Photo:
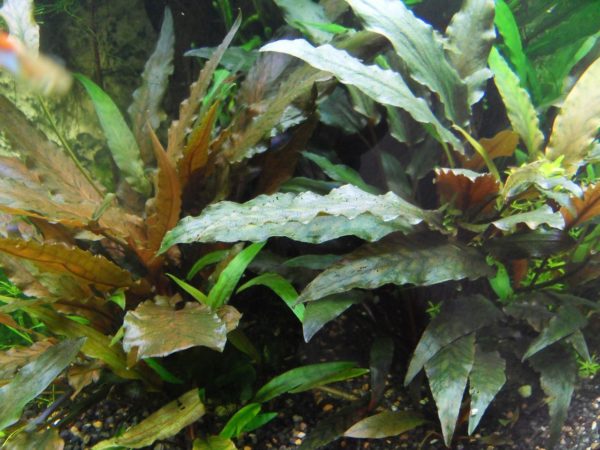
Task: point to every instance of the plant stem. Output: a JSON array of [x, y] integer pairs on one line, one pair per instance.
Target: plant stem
[[338, 393]]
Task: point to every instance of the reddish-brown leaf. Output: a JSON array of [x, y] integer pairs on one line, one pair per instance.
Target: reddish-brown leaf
[[520, 267], [584, 209], [82, 375], [502, 144], [466, 190]]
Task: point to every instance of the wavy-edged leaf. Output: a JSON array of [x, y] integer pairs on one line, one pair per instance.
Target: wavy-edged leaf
[[582, 209], [385, 424], [319, 313], [145, 109], [421, 261], [19, 17], [458, 318], [565, 322], [470, 38], [542, 177], [520, 110], [421, 48], [544, 215], [485, 381], [95, 270], [384, 86], [213, 443], [447, 373], [14, 358], [306, 217], [164, 423], [558, 373], [467, 190], [159, 330], [189, 107], [33, 378], [282, 287], [503, 143], [305, 15], [576, 126], [120, 139], [308, 377]]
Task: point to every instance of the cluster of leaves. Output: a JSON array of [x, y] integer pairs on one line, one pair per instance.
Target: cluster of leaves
[[513, 242]]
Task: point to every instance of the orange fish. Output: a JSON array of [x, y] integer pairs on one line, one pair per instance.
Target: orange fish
[[40, 72]]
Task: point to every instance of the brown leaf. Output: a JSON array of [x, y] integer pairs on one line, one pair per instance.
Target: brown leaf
[[467, 190], [502, 144], [230, 316], [15, 358], [80, 376], [520, 267], [584, 209]]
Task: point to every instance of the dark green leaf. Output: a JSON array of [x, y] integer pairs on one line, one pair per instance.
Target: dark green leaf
[[319, 313], [340, 172], [382, 354], [314, 262], [259, 421], [196, 293], [206, 260], [447, 373], [235, 425], [235, 59], [282, 287], [385, 424], [485, 381], [162, 371]]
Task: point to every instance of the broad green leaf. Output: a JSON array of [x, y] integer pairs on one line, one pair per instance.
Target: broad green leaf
[[282, 287], [470, 38], [206, 260], [420, 47], [301, 14], [520, 110], [447, 373], [509, 30], [558, 373], [306, 217], [319, 313], [230, 276], [194, 292], [576, 126], [235, 425], [565, 322], [34, 378], [19, 17], [121, 141], [145, 109], [384, 86], [164, 423], [158, 330], [458, 318], [385, 424], [399, 260], [213, 443], [340, 172], [485, 381], [314, 262], [544, 215], [308, 377]]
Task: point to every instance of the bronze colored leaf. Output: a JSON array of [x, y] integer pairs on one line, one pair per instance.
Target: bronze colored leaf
[[48, 439], [467, 190], [95, 270], [583, 209], [80, 376], [502, 144], [15, 358]]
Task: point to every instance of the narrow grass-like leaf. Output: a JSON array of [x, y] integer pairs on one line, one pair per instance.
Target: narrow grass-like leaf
[[340, 172], [235, 425], [485, 381], [420, 47], [385, 424], [421, 261], [206, 260], [282, 287], [164, 423], [520, 110], [509, 30], [306, 217], [576, 126], [33, 378], [230, 276], [121, 141], [307, 377], [194, 292], [384, 86]]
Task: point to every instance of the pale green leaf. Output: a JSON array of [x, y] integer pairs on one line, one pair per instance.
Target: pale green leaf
[[206, 260], [447, 373], [457, 318], [213, 443], [385, 424], [302, 14], [565, 322], [485, 381], [121, 141], [384, 86], [520, 110], [282, 287], [577, 124], [166, 422], [319, 313], [34, 378], [236, 424], [470, 38], [399, 260], [544, 215], [306, 217], [420, 47], [18, 15]]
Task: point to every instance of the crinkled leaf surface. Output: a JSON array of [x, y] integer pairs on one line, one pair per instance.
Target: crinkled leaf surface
[[385, 424], [164, 423], [485, 381], [19, 17], [470, 38], [520, 110], [565, 322], [457, 318], [213, 443], [158, 330], [583, 209], [467, 190], [306, 217], [421, 261], [534, 174], [420, 47], [121, 141], [576, 126], [447, 373], [544, 215], [33, 378], [384, 86]]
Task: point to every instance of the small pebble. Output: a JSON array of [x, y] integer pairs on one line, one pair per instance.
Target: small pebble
[[328, 407]]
